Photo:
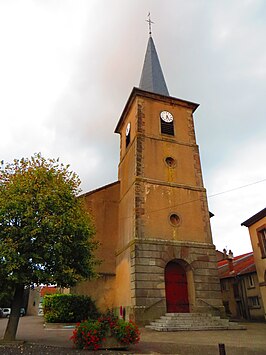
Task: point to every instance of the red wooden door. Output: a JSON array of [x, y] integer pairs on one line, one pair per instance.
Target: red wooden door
[[176, 288]]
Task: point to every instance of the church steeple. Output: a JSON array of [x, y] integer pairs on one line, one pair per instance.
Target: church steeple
[[152, 78]]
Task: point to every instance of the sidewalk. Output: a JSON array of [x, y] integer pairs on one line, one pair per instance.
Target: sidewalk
[[237, 342]]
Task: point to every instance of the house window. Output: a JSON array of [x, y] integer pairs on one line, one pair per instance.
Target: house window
[[253, 302], [262, 242], [251, 283]]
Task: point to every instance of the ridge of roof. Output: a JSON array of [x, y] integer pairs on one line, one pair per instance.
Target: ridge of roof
[[152, 78]]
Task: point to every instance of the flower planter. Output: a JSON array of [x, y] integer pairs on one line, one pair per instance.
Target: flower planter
[[108, 332], [110, 342]]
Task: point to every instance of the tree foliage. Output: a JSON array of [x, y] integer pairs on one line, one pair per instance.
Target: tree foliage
[[68, 308], [46, 236]]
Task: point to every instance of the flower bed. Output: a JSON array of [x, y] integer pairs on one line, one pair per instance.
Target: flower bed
[[107, 332]]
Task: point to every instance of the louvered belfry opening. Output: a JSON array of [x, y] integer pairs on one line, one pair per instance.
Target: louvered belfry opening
[[167, 128], [128, 139]]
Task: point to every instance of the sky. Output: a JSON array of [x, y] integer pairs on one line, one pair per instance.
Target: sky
[[68, 67]]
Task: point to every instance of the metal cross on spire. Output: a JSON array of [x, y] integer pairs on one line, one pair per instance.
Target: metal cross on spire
[[150, 22]]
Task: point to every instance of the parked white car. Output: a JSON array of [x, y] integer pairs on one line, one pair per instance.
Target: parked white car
[[6, 312]]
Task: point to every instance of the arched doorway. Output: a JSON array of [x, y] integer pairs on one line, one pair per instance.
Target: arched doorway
[[176, 288]]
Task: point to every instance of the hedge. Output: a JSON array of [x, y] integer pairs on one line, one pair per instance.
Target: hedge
[[67, 308]]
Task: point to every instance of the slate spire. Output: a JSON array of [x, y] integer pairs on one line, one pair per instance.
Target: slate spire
[[152, 78]]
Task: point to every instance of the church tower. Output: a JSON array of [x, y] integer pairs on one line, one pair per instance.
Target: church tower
[[153, 224], [165, 258]]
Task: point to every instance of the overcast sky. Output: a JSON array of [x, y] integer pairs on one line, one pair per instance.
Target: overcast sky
[[68, 67]]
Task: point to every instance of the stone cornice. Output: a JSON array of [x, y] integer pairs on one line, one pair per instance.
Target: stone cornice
[[155, 241]]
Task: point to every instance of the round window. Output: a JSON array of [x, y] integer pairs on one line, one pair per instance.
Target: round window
[[171, 162], [174, 219]]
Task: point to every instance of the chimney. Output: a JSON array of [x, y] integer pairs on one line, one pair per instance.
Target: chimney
[[224, 254], [230, 259]]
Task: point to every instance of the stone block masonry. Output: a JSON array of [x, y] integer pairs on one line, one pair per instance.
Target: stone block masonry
[[149, 258]]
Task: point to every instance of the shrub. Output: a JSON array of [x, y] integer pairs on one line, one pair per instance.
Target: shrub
[[66, 308], [91, 334]]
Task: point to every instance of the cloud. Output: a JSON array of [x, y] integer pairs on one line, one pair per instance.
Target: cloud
[[245, 167], [67, 69]]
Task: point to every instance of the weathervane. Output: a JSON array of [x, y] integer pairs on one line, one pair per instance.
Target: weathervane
[[150, 22]]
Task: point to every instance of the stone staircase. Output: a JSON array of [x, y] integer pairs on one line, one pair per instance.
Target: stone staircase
[[173, 322]]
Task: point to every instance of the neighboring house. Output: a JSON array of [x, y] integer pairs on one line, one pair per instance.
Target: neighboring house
[[257, 231], [36, 298], [240, 287]]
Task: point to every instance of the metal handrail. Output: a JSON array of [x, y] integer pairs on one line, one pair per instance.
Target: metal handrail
[[200, 299], [211, 305], [147, 308]]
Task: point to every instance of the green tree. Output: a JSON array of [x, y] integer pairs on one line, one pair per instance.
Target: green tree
[[46, 236]]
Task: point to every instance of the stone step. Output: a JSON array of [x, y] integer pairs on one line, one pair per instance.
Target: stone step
[[197, 319], [175, 329], [188, 323], [188, 329], [187, 315], [166, 319], [191, 321], [214, 322], [188, 326]]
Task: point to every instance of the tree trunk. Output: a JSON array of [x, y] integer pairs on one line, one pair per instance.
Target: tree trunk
[[12, 325]]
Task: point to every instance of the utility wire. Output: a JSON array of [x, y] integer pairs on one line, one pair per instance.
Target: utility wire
[[195, 200], [236, 188]]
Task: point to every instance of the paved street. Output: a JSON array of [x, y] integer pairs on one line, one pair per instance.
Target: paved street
[[237, 342]]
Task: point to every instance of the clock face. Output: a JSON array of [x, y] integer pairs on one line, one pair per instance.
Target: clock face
[[128, 129], [166, 116]]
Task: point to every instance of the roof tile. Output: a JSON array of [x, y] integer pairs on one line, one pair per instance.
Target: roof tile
[[242, 264]]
